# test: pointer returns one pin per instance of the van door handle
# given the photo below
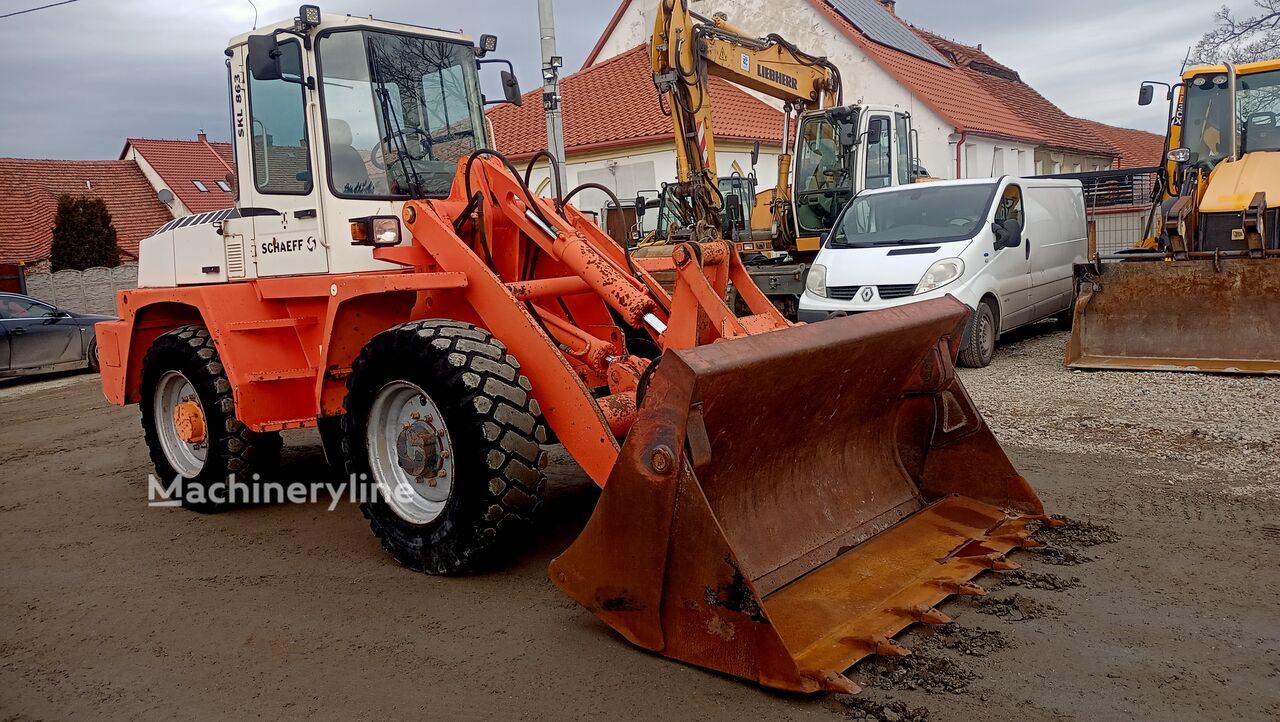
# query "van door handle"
(1028, 242)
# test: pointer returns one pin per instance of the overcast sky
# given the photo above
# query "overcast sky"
(76, 80)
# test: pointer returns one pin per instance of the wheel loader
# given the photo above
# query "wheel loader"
(1202, 292)
(778, 501)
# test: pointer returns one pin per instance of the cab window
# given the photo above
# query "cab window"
(281, 153)
(879, 170)
(902, 141)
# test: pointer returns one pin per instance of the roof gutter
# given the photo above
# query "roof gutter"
(964, 136)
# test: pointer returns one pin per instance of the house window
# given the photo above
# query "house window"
(223, 185)
(200, 186)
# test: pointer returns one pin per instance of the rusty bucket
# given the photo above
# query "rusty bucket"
(1203, 315)
(788, 502)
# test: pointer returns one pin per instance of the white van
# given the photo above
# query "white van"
(1003, 246)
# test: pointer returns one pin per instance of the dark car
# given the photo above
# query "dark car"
(37, 337)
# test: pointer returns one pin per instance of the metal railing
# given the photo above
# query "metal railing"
(1118, 203)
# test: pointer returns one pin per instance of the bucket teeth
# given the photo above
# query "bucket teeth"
(833, 682)
(997, 563)
(963, 589)
(1050, 522)
(880, 645)
(926, 615)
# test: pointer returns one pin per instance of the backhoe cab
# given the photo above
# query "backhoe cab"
(1202, 291)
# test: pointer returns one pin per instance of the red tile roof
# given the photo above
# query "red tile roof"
(180, 162)
(614, 105)
(1136, 148)
(29, 191)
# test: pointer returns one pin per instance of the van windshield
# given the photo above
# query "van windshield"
(914, 216)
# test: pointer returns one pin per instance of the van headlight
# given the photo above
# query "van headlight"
(816, 283)
(940, 274)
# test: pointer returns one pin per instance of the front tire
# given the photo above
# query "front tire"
(980, 347)
(440, 420)
(190, 424)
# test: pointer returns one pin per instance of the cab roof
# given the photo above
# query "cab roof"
(333, 21)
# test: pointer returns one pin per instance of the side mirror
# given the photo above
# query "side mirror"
(1146, 94)
(511, 88)
(641, 202)
(875, 132)
(755, 155)
(264, 58)
(1008, 233)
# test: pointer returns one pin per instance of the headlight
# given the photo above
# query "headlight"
(816, 283)
(940, 274)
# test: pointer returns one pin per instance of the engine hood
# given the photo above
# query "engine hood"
(1233, 184)
(885, 265)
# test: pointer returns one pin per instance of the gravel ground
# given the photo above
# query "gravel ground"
(1209, 424)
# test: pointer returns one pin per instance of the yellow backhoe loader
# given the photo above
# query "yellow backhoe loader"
(1202, 292)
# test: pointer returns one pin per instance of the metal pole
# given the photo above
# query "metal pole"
(551, 82)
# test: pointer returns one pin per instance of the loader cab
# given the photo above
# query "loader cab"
(336, 120)
(841, 152)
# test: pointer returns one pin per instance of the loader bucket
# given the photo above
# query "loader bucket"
(1196, 315)
(787, 502)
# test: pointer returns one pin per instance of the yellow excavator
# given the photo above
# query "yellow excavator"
(1202, 292)
(839, 149)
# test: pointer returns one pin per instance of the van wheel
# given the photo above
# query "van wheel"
(980, 347)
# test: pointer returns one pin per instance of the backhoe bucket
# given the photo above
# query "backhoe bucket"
(1209, 316)
(787, 502)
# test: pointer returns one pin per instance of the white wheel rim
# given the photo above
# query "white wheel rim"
(410, 452)
(186, 458)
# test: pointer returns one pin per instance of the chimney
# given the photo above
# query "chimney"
(890, 5)
(202, 137)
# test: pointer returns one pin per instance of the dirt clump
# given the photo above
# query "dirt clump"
(1078, 535)
(1016, 608)
(918, 671)
(969, 641)
(1060, 557)
(1036, 580)
(862, 707)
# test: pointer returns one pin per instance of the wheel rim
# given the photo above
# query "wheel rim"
(410, 452)
(987, 337)
(181, 425)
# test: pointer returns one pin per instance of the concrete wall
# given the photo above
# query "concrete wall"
(92, 290)
(865, 81)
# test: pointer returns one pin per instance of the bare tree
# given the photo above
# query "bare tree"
(1237, 39)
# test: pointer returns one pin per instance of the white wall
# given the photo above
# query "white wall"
(990, 158)
(632, 171)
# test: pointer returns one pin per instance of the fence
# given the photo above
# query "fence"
(1119, 203)
(90, 291)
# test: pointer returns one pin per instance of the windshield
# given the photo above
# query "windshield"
(400, 111)
(914, 216)
(1207, 115)
(1259, 103)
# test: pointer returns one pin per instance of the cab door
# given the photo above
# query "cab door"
(877, 159)
(279, 183)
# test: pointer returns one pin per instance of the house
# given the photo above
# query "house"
(191, 176)
(29, 191)
(974, 116)
(617, 134)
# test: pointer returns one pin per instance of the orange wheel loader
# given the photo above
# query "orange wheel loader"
(778, 501)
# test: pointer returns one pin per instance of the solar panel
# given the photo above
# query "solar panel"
(869, 17)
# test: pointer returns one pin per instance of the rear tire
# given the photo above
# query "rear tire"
(91, 356)
(980, 346)
(183, 364)
(440, 420)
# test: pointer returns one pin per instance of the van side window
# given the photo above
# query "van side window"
(281, 153)
(1011, 206)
